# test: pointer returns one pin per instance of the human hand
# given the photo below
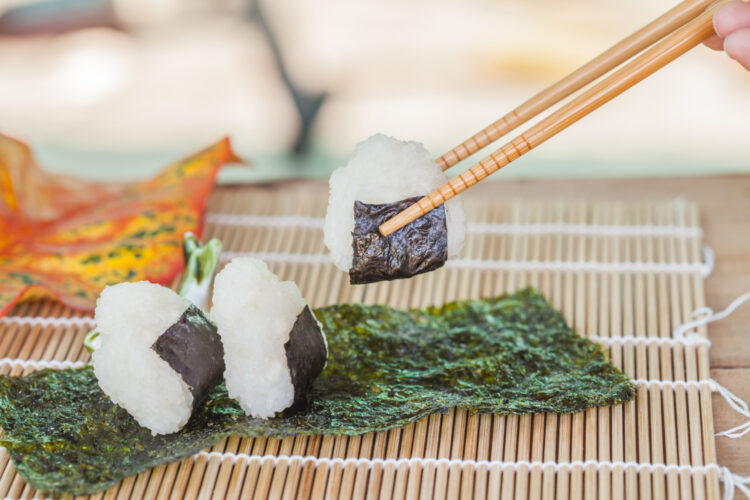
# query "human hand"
(732, 26)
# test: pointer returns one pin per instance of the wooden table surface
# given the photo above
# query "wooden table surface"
(725, 217)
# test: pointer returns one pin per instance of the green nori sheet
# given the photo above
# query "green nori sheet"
(419, 247)
(386, 368)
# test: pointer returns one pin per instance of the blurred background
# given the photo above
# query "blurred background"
(116, 89)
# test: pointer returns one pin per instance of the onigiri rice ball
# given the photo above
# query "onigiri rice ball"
(274, 347)
(159, 355)
(384, 170)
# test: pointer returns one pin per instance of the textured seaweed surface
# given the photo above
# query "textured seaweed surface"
(192, 347)
(306, 354)
(513, 354)
(419, 247)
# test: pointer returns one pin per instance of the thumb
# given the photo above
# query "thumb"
(737, 46)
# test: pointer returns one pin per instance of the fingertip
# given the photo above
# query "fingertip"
(715, 24)
(731, 17)
(715, 43)
(737, 46)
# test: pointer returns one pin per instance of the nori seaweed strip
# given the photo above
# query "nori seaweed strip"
(418, 247)
(198, 276)
(510, 355)
(306, 355)
(193, 348)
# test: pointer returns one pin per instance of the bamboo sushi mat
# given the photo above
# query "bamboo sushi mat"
(624, 275)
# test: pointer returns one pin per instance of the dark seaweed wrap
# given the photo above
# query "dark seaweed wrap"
(192, 347)
(306, 355)
(418, 247)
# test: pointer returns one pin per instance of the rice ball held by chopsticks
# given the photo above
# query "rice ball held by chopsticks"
(158, 355)
(383, 177)
(274, 348)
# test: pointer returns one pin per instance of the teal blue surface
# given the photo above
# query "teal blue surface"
(265, 167)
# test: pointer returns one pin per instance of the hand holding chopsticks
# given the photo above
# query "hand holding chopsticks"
(692, 32)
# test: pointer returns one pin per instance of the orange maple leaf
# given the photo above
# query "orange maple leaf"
(69, 238)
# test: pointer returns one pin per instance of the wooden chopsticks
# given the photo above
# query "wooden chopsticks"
(695, 28)
(603, 63)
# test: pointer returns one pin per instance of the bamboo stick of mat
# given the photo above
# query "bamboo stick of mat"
(597, 67)
(653, 59)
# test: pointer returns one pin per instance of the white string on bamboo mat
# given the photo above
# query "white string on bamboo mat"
(460, 462)
(706, 315)
(684, 334)
(584, 266)
(253, 220)
(584, 229)
(40, 364)
(734, 401)
(624, 339)
(48, 321)
(704, 268)
(730, 480)
(709, 260)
